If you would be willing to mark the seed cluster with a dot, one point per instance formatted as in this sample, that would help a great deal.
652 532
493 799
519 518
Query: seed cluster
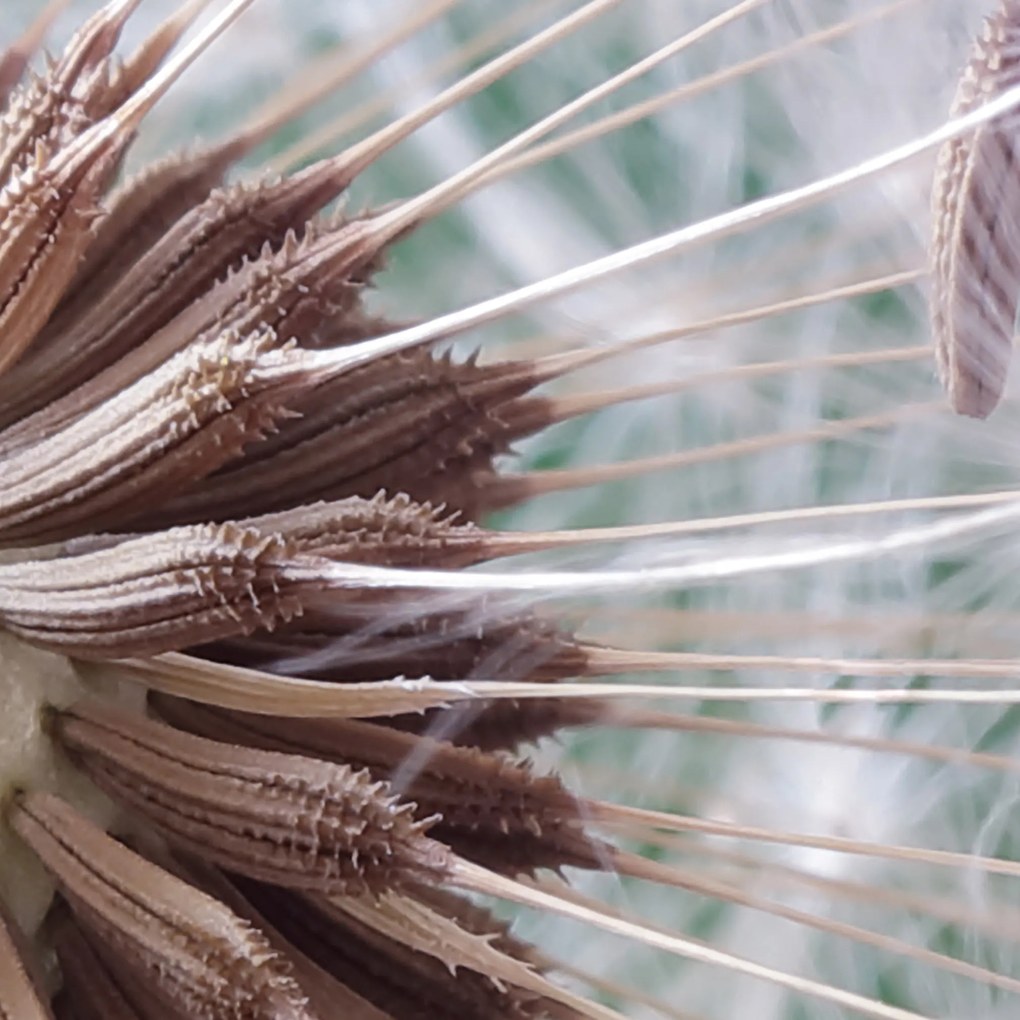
199 479
976 243
263 720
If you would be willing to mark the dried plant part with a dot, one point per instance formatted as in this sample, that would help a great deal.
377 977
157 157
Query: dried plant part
287 291
135 216
15 58
86 980
182 260
237 496
48 208
397 978
21 995
212 388
976 241
191 584
281 818
325 992
190 949
487 808
420 424
54 109
404 919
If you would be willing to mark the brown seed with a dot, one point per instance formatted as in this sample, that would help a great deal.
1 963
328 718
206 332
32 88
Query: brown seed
192 951
175 424
54 109
976 242
145 287
404 984
328 996
281 818
489 809
85 978
21 996
415 423
150 594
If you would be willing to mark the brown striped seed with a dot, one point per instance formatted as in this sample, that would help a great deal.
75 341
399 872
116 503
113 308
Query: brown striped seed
192 951
280 818
976 240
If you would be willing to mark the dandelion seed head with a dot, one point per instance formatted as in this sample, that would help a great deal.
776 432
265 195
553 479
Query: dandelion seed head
833 528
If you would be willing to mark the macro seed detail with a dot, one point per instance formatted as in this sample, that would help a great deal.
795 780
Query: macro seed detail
976 239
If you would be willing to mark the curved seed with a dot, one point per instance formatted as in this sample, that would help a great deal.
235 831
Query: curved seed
191 950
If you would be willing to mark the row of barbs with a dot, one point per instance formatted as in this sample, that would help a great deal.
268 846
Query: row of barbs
282 366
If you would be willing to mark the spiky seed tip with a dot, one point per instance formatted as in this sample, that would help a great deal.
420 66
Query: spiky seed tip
194 953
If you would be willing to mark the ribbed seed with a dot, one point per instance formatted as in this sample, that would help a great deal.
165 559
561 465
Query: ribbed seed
420 424
289 291
55 108
179 423
150 594
183 262
392 530
491 810
88 336
132 987
20 994
480 921
406 920
192 951
405 984
188 586
86 979
976 241
384 530
55 164
135 217
280 818
46 211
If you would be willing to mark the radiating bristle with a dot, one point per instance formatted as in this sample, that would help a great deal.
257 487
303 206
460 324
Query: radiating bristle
474 878
256 600
614 814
